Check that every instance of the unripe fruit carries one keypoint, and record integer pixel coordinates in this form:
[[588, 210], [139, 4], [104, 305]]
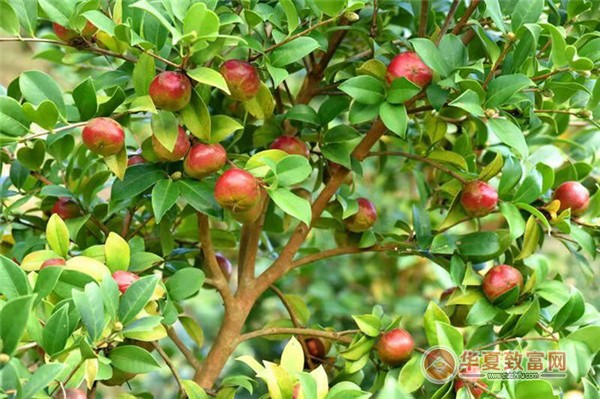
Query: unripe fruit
[[53, 262], [499, 280], [478, 198], [410, 66], [68, 35], [103, 136], [362, 220], [170, 91], [135, 160], [71, 393], [66, 208], [224, 265], [237, 190], [573, 195], [118, 327], [476, 391], [292, 145], [242, 79], [182, 145], [331, 169], [395, 347], [124, 279], [204, 159]]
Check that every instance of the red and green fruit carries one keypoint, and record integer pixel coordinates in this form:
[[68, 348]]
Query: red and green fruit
[[410, 66], [66, 208], [204, 159], [182, 146], [478, 198], [292, 145], [499, 280], [68, 35], [573, 195], [53, 262], [124, 279], [242, 79], [395, 347], [362, 220], [135, 160], [103, 136], [237, 190], [170, 91]]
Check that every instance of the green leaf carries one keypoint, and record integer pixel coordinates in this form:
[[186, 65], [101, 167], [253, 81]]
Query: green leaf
[[431, 56], [394, 117], [209, 77], [57, 235], [433, 314], [492, 169], [185, 283], [470, 102], [13, 320], [570, 312], [193, 329], [47, 279], [37, 87], [411, 376], [197, 118], [101, 21], [364, 89], [515, 220], [201, 23], [13, 121], [401, 90], [531, 239], [84, 97], [292, 358], [141, 261], [369, 324], [117, 163], [9, 22], [165, 128], [484, 245], [42, 377], [193, 390], [509, 134], [136, 181], [262, 105], [110, 296], [133, 359], [46, 114], [526, 12], [291, 14], [303, 113], [450, 337], [57, 11], [534, 389], [292, 169], [90, 306], [56, 331], [528, 320], [503, 88], [117, 252], [293, 51], [26, 10], [331, 7], [495, 12], [530, 189], [199, 194], [164, 196], [144, 5], [136, 297], [292, 204], [13, 281], [222, 127], [588, 335], [143, 73]]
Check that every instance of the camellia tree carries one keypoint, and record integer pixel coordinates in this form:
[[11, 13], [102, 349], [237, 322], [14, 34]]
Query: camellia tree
[[203, 148]]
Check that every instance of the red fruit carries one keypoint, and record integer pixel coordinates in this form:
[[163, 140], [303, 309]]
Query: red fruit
[[103, 136], [64, 34], [476, 391], [315, 348], [499, 280], [237, 190], [242, 79], [204, 159], [170, 91], [224, 264], [410, 66], [478, 198], [332, 169], [135, 160], [573, 195], [182, 145], [363, 219], [292, 145], [53, 262], [124, 279], [72, 393], [66, 208], [395, 347]]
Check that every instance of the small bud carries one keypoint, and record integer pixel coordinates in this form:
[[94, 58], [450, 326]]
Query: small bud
[[4, 359], [351, 16], [511, 36], [585, 114], [547, 93], [176, 175], [585, 74], [490, 113], [118, 327]]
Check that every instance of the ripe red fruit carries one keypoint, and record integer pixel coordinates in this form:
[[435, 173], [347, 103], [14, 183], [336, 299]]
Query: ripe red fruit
[[363, 219], [66, 208], [124, 279], [103, 136], [395, 347], [204, 159], [316, 348], [410, 66], [292, 145], [72, 393], [135, 160], [478, 198], [53, 262], [182, 145], [237, 190], [573, 195], [499, 280], [68, 35], [224, 264], [171, 91], [476, 391], [242, 79]]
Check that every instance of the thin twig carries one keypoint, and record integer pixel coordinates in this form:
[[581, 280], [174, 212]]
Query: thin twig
[[374, 20], [339, 336], [338, 252], [465, 18], [499, 61], [449, 19], [170, 365], [423, 19], [187, 353]]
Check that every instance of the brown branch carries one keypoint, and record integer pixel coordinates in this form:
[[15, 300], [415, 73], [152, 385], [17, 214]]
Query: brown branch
[[428, 161], [449, 19], [549, 74], [499, 61], [340, 336], [127, 222], [374, 19], [187, 353], [423, 19], [170, 365], [465, 18], [250, 239], [330, 253]]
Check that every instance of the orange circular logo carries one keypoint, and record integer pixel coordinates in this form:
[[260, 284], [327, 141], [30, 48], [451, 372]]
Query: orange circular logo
[[439, 364]]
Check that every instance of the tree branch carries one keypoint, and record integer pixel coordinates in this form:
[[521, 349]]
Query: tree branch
[[423, 19], [250, 240], [187, 353], [449, 19], [465, 18], [340, 336], [171, 366], [330, 253]]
